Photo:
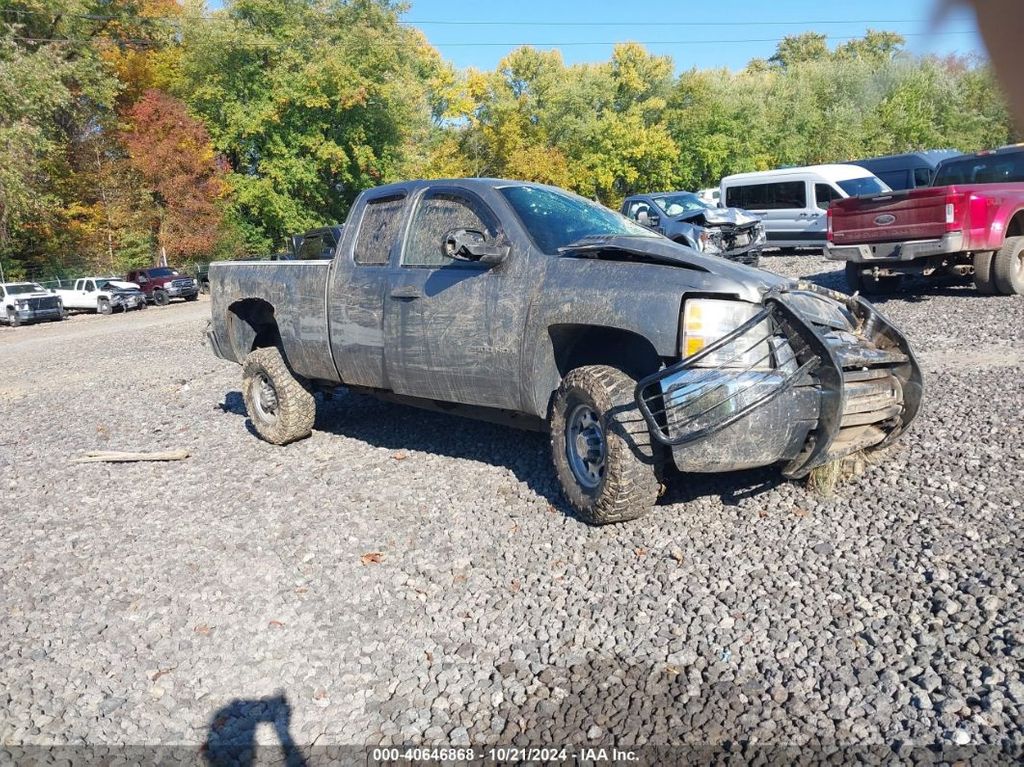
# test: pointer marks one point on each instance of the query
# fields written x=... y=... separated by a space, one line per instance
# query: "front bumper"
x=181 y=291
x=39 y=315
x=824 y=391
x=912 y=250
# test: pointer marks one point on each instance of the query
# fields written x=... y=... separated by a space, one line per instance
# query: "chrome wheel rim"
x=585 y=446
x=265 y=398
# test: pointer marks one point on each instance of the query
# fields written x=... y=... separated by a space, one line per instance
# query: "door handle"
x=406 y=293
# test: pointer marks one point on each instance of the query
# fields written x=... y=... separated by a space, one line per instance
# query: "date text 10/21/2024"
x=397 y=755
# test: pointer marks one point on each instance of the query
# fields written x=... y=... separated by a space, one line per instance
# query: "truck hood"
x=717 y=217
x=746 y=281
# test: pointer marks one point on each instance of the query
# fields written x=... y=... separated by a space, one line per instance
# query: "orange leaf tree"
x=171 y=150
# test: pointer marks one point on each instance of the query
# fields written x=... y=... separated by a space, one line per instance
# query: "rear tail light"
x=828 y=218
x=954 y=212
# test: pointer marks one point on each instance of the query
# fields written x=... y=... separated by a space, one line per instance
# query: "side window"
x=635 y=207
x=824 y=194
x=436 y=215
x=785 y=194
x=922 y=177
x=89 y=286
x=378 y=230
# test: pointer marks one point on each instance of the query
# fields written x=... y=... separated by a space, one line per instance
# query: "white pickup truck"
x=102 y=294
x=22 y=302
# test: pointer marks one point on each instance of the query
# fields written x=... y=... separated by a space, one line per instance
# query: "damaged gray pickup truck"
x=533 y=306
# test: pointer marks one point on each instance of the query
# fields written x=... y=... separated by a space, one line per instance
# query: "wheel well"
x=1016 y=226
x=578 y=345
x=252 y=325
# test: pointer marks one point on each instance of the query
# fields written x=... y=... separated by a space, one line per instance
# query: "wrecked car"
x=686 y=218
x=529 y=305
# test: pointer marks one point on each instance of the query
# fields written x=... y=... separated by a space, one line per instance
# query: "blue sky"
x=584 y=30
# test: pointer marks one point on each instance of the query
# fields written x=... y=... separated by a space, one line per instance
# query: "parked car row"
x=27 y=302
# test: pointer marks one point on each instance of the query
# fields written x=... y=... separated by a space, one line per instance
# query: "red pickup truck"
x=968 y=223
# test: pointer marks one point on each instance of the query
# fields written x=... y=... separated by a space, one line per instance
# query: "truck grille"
x=181 y=283
x=44 y=302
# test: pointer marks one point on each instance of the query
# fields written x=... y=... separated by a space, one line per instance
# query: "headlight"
x=708 y=242
x=706 y=320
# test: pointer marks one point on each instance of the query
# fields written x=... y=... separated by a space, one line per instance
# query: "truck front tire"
x=160 y=298
x=279 y=406
x=601 y=448
x=103 y=306
x=1008 y=267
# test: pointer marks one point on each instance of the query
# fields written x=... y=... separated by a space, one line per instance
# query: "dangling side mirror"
x=472 y=245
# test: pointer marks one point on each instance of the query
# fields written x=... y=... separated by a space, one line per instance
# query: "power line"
x=493 y=23
x=259 y=44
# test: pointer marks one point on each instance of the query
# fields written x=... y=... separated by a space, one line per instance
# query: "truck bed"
x=293 y=293
x=927 y=213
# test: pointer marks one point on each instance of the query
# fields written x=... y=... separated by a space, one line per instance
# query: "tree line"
x=136 y=129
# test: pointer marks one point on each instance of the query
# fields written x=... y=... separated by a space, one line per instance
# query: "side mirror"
x=653 y=220
x=472 y=245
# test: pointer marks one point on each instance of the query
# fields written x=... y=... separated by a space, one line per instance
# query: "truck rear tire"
x=279 y=406
x=604 y=458
x=1008 y=267
x=983 y=281
x=160 y=298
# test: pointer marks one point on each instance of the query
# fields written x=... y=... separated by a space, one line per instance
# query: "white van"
x=792 y=202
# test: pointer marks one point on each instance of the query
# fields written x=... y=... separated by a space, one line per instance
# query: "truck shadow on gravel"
x=526 y=454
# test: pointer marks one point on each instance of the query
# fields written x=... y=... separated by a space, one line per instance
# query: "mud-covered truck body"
x=524 y=303
x=968 y=225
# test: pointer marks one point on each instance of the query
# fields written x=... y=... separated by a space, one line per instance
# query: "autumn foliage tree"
x=171 y=151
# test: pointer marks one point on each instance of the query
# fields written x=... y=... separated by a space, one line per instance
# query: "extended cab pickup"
x=102 y=294
x=969 y=223
x=533 y=306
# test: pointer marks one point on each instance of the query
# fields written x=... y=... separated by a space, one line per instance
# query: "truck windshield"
x=163 y=271
x=864 y=185
x=24 y=287
x=556 y=219
x=684 y=202
x=987 y=169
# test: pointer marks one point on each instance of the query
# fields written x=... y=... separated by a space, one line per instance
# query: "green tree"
x=310 y=101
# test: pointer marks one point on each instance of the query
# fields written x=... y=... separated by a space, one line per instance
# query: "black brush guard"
x=788 y=350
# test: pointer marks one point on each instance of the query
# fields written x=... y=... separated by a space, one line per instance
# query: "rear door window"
x=774 y=196
x=378 y=230
x=922 y=177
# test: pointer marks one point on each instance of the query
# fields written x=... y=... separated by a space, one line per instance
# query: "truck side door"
x=355 y=291
x=453 y=328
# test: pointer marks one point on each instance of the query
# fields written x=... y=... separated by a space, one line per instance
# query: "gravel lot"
x=408 y=577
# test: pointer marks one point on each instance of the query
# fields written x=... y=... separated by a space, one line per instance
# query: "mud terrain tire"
x=279 y=406
x=594 y=410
